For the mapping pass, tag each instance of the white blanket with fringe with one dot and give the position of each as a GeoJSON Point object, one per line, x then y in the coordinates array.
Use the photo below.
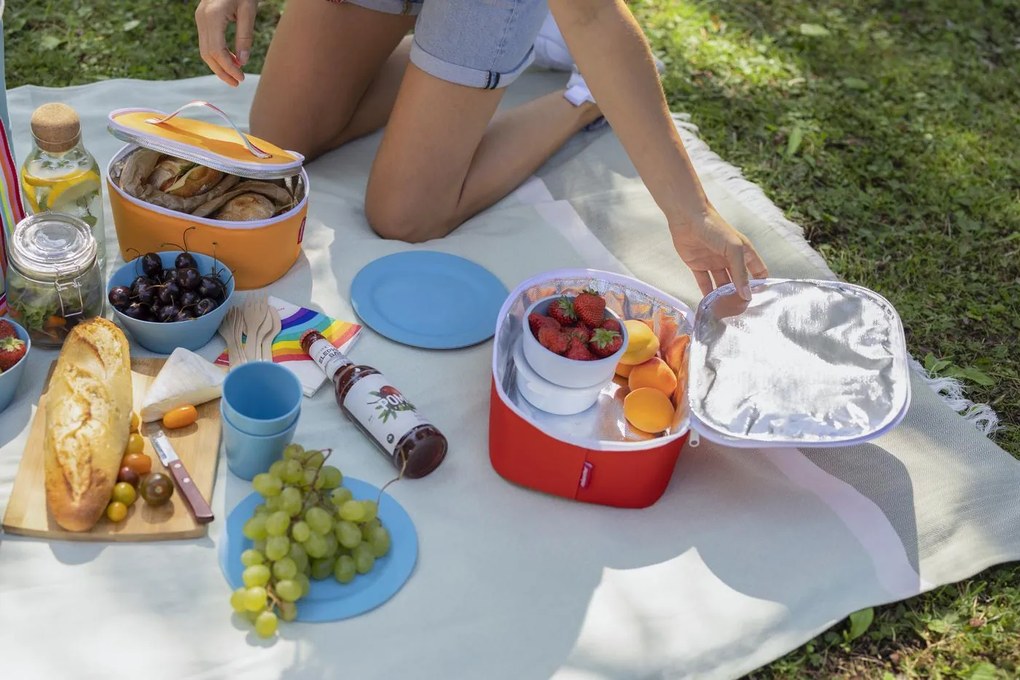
{"type": "Point", "coordinates": [747, 555]}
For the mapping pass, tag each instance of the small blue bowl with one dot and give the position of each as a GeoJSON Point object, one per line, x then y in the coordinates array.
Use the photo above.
{"type": "Point", "coordinates": [164, 338]}
{"type": "Point", "coordinates": [11, 378]}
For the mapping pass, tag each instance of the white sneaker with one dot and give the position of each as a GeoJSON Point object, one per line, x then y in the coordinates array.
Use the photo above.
{"type": "Point", "coordinates": [577, 92]}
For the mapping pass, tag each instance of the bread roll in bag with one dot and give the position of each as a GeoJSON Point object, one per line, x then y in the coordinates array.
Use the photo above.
{"type": "Point", "coordinates": [88, 420]}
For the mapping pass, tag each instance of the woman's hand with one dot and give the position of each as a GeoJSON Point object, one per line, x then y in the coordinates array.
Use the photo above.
{"type": "Point", "coordinates": [212, 18]}
{"type": "Point", "coordinates": [717, 253]}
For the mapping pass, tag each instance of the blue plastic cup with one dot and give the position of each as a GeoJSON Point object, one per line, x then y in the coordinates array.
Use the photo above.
{"type": "Point", "coordinates": [250, 454]}
{"type": "Point", "coordinates": [261, 398]}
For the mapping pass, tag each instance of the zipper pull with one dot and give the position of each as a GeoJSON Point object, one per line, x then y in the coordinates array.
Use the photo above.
{"type": "Point", "coordinates": [693, 439]}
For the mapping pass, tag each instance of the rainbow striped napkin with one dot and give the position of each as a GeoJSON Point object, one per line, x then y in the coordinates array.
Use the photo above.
{"type": "Point", "coordinates": [287, 345]}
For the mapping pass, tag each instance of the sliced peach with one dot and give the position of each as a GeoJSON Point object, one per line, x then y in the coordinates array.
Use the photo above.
{"type": "Point", "coordinates": [642, 344]}
{"type": "Point", "coordinates": [648, 410]}
{"type": "Point", "coordinates": [654, 373]}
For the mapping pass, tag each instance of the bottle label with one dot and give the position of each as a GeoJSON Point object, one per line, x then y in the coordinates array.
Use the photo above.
{"type": "Point", "coordinates": [328, 357]}
{"type": "Point", "coordinates": [382, 410]}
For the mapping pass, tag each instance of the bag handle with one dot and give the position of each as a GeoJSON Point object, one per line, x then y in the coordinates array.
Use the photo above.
{"type": "Point", "coordinates": [254, 150]}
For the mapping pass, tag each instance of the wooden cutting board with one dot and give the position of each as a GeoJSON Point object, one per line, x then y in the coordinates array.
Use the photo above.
{"type": "Point", "coordinates": [197, 445]}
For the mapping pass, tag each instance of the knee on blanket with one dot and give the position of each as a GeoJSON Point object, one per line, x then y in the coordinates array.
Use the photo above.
{"type": "Point", "coordinates": [399, 220]}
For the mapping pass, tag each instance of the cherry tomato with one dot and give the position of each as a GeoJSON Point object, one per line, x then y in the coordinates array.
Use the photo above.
{"type": "Point", "coordinates": [135, 422]}
{"type": "Point", "coordinates": [181, 416]}
{"type": "Point", "coordinates": [116, 511]}
{"type": "Point", "coordinates": [124, 493]}
{"type": "Point", "coordinates": [156, 488]}
{"type": "Point", "coordinates": [128, 475]}
{"type": "Point", "coordinates": [139, 462]}
{"type": "Point", "coordinates": [135, 443]}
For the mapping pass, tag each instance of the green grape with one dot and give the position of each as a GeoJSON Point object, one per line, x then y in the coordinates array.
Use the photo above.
{"type": "Point", "coordinates": [284, 568]}
{"type": "Point", "coordinates": [288, 590]}
{"type": "Point", "coordinates": [344, 571]}
{"type": "Point", "coordinates": [293, 473]}
{"type": "Point", "coordinates": [259, 545]}
{"type": "Point", "coordinates": [276, 469]}
{"type": "Point", "coordinates": [319, 520]}
{"type": "Point", "coordinates": [364, 560]}
{"type": "Point", "coordinates": [255, 528]}
{"type": "Point", "coordinates": [260, 509]}
{"type": "Point", "coordinates": [265, 624]}
{"type": "Point", "coordinates": [277, 547]}
{"type": "Point", "coordinates": [322, 568]}
{"type": "Point", "coordinates": [316, 546]}
{"type": "Point", "coordinates": [293, 451]}
{"type": "Point", "coordinates": [371, 510]}
{"type": "Point", "coordinates": [348, 534]}
{"type": "Point", "coordinates": [379, 540]}
{"type": "Point", "coordinates": [314, 459]}
{"type": "Point", "coordinates": [255, 575]}
{"type": "Point", "coordinates": [352, 511]}
{"type": "Point", "coordinates": [237, 600]}
{"type": "Point", "coordinates": [305, 583]}
{"type": "Point", "coordinates": [255, 599]}
{"type": "Point", "coordinates": [277, 523]}
{"type": "Point", "coordinates": [298, 555]}
{"type": "Point", "coordinates": [274, 504]}
{"type": "Point", "coordinates": [300, 531]}
{"type": "Point", "coordinates": [288, 610]}
{"type": "Point", "coordinates": [267, 484]}
{"type": "Point", "coordinates": [250, 557]}
{"type": "Point", "coordinates": [366, 528]}
{"type": "Point", "coordinates": [309, 476]}
{"type": "Point", "coordinates": [331, 477]}
{"type": "Point", "coordinates": [292, 500]}
{"type": "Point", "coordinates": [340, 496]}
{"type": "Point", "coordinates": [332, 545]}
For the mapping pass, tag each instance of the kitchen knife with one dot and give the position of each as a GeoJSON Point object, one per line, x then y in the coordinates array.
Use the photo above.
{"type": "Point", "coordinates": [199, 508]}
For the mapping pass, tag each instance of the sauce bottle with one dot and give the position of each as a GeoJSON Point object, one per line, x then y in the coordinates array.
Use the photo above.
{"type": "Point", "coordinates": [379, 410]}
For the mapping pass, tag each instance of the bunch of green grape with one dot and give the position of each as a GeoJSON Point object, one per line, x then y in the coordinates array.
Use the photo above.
{"type": "Point", "coordinates": [308, 527]}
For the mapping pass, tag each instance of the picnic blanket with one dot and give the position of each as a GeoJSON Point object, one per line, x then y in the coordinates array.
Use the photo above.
{"type": "Point", "coordinates": [748, 554]}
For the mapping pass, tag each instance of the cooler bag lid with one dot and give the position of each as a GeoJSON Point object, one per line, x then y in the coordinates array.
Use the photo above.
{"type": "Point", "coordinates": [223, 147]}
{"type": "Point", "coordinates": [805, 363]}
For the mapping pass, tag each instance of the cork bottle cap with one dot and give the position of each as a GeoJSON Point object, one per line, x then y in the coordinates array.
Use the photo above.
{"type": "Point", "coordinates": [56, 127]}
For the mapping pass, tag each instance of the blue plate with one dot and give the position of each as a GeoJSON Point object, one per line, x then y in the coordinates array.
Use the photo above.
{"type": "Point", "coordinates": [428, 299]}
{"type": "Point", "coordinates": [330, 600]}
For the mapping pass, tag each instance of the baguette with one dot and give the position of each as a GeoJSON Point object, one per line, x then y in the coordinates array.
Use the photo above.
{"type": "Point", "coordinates": [88, 419]}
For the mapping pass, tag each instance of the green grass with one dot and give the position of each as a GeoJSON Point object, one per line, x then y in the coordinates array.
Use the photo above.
{"type": "Point", "coordinates": [888, 129]}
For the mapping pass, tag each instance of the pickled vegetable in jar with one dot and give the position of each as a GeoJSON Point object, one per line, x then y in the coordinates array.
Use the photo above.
{"type": "Point", "coordinates": [53, 278]}
{"type": "Point", "coordinates": [60, 175]}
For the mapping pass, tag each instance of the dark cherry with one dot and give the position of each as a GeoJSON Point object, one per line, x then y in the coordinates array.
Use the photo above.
{"type": "Point", "coordinates": [170, 293]}
{"type": "Point", "coordinates": [188, 278]}
{"type": "Point", "coordinates": [169, 275]}
{"type": "Point", "coordinates": [189, 298]}
{"type": "Point", "coordinates": [185, 261]}
{"type": "Point", "coordinates": [120, 296]}
{"type": "Point", "coordinates": [183, 315]}
{"type": "Point", "coordinates": [152, 265]}
{"type": "Point", "coordinates": [139, 281]}
{"type": "Point", "coordinates": [211, 287]}
{"type": "Point", "coordinates": [204, 306]}
{"type": "Point", "coordinates": [166, 312]}
{"type": "Point", "coordinates": [137, 310]}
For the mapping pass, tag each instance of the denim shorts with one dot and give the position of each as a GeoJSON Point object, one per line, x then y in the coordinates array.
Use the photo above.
{"type": "Point", "coordinates": [477, 43]}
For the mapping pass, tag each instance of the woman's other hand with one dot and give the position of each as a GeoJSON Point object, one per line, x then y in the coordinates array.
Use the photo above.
{"type": "Point", "coordinates": [717, 253]}
{"type": "Point", "coordinates": [212, 18]}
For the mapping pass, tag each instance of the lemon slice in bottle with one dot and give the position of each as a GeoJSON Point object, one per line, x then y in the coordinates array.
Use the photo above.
{"type": "Point", "coordinates": [68, 193]}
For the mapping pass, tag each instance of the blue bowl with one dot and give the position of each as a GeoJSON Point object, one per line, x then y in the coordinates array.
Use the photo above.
{"type": "Point", "coordinates": [164, 338]}
{"type": "Point", "coordinates": [11, 378]}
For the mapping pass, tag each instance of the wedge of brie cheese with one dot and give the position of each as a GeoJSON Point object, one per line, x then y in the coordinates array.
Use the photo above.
{"type": "Point", "coordinates": [185, 378]}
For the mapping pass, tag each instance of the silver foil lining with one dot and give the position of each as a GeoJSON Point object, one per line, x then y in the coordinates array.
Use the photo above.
{"type": "Point", "coordinates": [604, 422]}
{"type": "Point", "coordinates": [805, 362]}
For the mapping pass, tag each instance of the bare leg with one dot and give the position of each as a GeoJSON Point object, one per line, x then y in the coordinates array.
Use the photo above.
{"type": "Point", "coordinates": [443, 158]}
{"type": "Point", "coordinates": [331, 75]}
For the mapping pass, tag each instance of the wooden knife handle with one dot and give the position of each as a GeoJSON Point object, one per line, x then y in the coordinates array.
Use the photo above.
{"type": "Point", "coordinates": [199, 508]}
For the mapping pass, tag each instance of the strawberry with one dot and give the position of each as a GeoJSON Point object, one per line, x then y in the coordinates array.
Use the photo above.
{"type": "Point", "coordinates": [580, 333]}
{"type": "Point", "coordinates": [562, 310]}
{"type": "Point", "coordinates": [590, 308]}
{"type": "Point", "coordinates": [604, 343]}
{"type": "Point", "coordinates": [537, 321]}
{"type": "Point", "coordinates": [553, 339]}
{"type": "Point", "coordinates": [579, 351]}
{"type": "Point", "coordinates": [612, 325]}
{"type": "Point", "coordinates": [7, 329]}
{"type": "Point", "coordinates": [11, 351]}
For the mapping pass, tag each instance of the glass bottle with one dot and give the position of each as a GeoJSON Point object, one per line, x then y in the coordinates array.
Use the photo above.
{"type": "Point", "coordinates": [60, 175]}
{"type": "Point", "coordinates": [379, 410]}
